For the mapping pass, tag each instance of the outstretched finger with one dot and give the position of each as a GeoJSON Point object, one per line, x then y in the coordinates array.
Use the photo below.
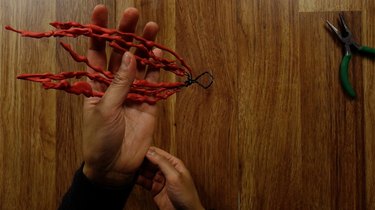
{"type": "Point", "coordinates": [127, 24]}
{"type": "Point", "coordinates": [149, 33]}
{"type": "Point", "coordinates": [96, 53]}
{"type": "Point", "coordinates": [100, 18]}
{"type": "Point", "coordinates": [152, 74]}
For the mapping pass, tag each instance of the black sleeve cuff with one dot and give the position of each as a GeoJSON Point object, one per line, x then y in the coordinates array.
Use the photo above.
{"type": "Point", "coordinates": [84, 194]}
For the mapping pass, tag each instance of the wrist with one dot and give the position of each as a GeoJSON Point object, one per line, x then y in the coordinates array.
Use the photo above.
{"type": "Point", "coordinates": [107, 178]}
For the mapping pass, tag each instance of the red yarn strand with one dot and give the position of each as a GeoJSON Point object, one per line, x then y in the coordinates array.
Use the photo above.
{"type": "Point", "coordinates": [141, 91]}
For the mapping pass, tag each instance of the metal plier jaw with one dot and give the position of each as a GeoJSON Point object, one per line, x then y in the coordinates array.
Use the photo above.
{"type": "Point", "coordinates": [346, 38]}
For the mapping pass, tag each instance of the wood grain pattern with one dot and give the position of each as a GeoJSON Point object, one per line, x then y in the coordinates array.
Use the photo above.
{"type": "Point", "coordinates": [206, 120]}
{"type": "Point", "coordinates": [332, 5]}
{"type": "Point", "coordinates": [332, 152]}
{"type": "Point", "coordinates": [368, 38]}
{"type": "Point", "coordinates": [275, 131]}
{"type": "Point", "coordinates": [269, 105]}
{"type": "Point", "coordinates": [28, 131]}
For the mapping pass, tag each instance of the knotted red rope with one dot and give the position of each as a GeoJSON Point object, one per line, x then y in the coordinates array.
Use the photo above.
{"type": "Point", "coordinates": [140, 90]}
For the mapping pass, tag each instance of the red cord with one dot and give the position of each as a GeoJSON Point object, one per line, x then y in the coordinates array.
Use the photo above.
{"type": "Point", "coordinates": [140, 91]}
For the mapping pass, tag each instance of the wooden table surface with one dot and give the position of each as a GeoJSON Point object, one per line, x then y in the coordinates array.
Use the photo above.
{"type": "Point", "coordinates": [275, 131]}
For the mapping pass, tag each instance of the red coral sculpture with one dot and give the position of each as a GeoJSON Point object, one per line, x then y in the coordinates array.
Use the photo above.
{"type": "Point", "coordinates": [140, 91]}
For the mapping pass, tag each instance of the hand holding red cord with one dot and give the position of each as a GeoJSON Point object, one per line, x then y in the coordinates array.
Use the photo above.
{"type": "Point", "coordinates": [116, 134]}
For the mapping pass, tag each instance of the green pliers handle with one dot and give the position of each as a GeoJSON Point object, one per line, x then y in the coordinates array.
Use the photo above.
{"type": "Point", "coordinates": [367, 50]}
{"type": "Point", "coordinates": [344, 70]}
{"type": "Point", "coordinates": [344, 75]}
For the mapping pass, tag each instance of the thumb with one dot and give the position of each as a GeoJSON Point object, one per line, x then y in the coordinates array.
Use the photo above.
{"type": "Point", "coordinates": [116, 93]}
{"type": "Point", "coordinates": [164, 165]}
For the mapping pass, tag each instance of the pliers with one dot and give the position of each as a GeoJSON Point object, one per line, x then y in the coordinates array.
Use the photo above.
{"type": "Point", "coordinates": [347, 39]}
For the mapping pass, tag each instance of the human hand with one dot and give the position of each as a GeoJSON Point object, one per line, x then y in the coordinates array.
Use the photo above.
{"type": "Point", "coordinates": [170, 183]}
{"type": "Point", "coordinates": [117, 135]}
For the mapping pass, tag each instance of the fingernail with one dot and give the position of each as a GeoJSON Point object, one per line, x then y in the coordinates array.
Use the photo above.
{"type": "Point", "coordinates": [150, 152]}
{"type": "Point", "coordinates": [127, 59]}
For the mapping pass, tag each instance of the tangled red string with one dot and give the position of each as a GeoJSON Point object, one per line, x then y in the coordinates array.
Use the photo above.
{"type": "Point", "coordinates": [140, 90]}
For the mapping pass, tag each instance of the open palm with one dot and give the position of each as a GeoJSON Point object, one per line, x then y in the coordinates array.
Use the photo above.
{"type": "Point", "coordinates": [116, 134]}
